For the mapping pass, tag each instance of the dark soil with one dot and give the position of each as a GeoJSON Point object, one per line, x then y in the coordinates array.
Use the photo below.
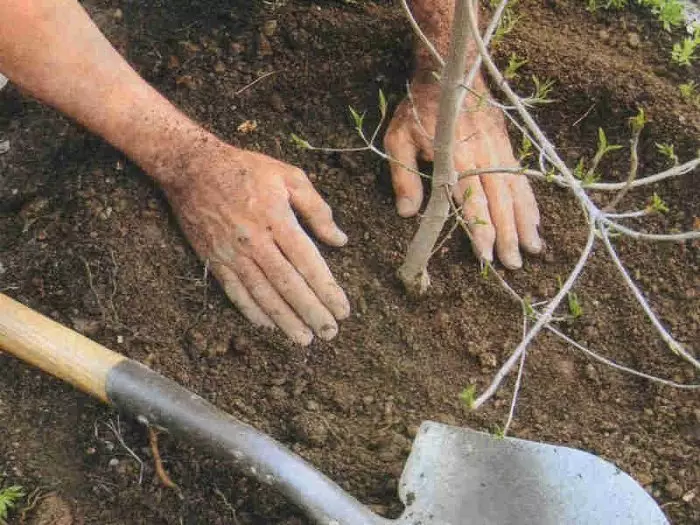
{"type": "Point", "coordinates": [72, 209]}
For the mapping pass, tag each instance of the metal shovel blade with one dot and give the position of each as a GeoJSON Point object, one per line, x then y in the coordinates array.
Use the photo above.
{"type": "Point", "coordinates": [457, 476]}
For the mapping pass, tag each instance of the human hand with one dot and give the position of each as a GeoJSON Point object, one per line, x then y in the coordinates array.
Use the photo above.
{"type": "Point", "coordinates": [235, 208]}
{"type": "Point", "coordinates": [500, 207]}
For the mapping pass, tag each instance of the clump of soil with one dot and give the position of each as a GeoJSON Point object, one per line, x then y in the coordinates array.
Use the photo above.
{"type": "Point", "coordinates": [87, 239]}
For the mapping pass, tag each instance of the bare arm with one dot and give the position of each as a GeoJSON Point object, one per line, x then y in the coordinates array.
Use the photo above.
{"type": "Point", "coordinates": [500, 208]}
{"type": "Point", "coordinates": [55, 52]}
{"type": "Point", "coordinates": [234, 206]}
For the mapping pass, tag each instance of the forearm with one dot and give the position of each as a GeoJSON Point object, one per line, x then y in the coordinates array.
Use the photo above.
{"type": "Point", "coordinates": [55, 52]}
{"type": "Point", "coordinates": [434, 17]}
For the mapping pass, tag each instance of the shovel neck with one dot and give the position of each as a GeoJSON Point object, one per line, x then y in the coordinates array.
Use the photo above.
{"type": "Point", "coordinates": [160, 402]}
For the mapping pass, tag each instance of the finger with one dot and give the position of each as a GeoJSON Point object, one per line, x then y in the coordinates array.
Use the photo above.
{"type": "Point", "coordinates": [240, 297]}
{"type": "Point", "coordinates": [404, 171]}
{"type": "Point", "coordinates": [293, 289]}
{"type": "Point", "coordinates": [262, 291]}
{"type": "Point", "coordinates": [305, 257]}
{"type": "Point", "coordinates": [527, 214]}
{"type": "Point", "coordinates": [500, 200]}
{"type": "Point", "coordinates": [313, 209]}
{"type": "Point", "coordinates": [469, 193]}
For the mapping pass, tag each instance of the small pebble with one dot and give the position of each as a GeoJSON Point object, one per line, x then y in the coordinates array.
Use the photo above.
{"type": "Point", "coordinates": [633, 40]}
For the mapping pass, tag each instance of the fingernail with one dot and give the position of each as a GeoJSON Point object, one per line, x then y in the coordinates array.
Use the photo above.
{"type": "Point", "coordinates": [303, 338]}
{"type": "Point", "coordinates": [406, 207]}
{"type": "Point", "coordinates": [328, 332]}
{"type": "Point", "coordinates": [512, 261]}
{"type": "Point", "coordinates": [339, 237]}
{"type": "Point", "coordinates": [534, 245]}
{"type": "Point", "coordinates": [342, 310]}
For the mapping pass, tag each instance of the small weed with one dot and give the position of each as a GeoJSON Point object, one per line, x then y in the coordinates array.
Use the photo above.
{"type": "Point", "coordinates": [499, 432]}
{"type": "Point", "coordinates": [514, 64]}
{"type": "Point", "coordinates": [575, 308]}
{"type": "Point", "coordinates": [468, 396]}
{"type": "Point", "coordinates": [683, 52]}
{"type": "Point", "coordinates": [689, 92]}
{"type": "Point", "coordinates": [542, 91]}
{"type": "Point", "coordinates": [9, 496]}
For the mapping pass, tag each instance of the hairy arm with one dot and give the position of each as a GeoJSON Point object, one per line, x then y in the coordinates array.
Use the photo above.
{"type": "Point", "coordinates": [234, 206]}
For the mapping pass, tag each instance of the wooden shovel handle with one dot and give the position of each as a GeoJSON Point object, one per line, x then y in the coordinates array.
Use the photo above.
{"type": "Point", "coordinates": [55, 349]}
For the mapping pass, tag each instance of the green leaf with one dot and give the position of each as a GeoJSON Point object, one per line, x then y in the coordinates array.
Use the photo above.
{"type": "Point", "coordinates": [638, 121]}
{"type": "Point", "coordinates": [602, 139]}
{"type": "Point", "coordinates": [357, 118]}
{"type": "Point", "coordinates": [382, 103]}
{"type": "Point", "coordinates": [299, 142]}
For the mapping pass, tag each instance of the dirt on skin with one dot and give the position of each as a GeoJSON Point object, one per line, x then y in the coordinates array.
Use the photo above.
{"type": "Point", "coordinates": [87, 239]}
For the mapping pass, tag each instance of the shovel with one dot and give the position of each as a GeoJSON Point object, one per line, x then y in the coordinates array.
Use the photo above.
{"type": "Point", "coordinates": [453, 476]}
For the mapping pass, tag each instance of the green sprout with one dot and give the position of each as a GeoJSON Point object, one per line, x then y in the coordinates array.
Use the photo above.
{"type": "Point", "coordinates": [357, 118]}
{"type": "Point", "coordinates": [575, 308]}
{"type": "Point", "coordinates": [667, 151]}
{"type": "Point", "coordinates": [299, 142]}
{"type": "Point", "coordinates": [603, 146]}
{"type": "Point", "coordinates": [525, 151]}
{"type": "Point", "coordinates": [587, 177]}
{"type": "Point", "coordinates": [468, 396]}
{"type": "Point", "coordinates": [514, 64]}
{"type": "Point", "coordinates": [638, 122]}
{"type": "Point", "coordinates": [382, 104]}
{"type": "Point", "coordinates": [656, 204]}
{"type": "Point", "coordinates": [9, 496]}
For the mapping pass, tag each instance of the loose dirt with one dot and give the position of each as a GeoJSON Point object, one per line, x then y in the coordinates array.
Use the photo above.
{"type": "Point", "coordinates": [87, 239]}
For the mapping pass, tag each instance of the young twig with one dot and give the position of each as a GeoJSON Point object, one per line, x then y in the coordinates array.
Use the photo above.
{"type": "Point", "coordinates": [413, 271]}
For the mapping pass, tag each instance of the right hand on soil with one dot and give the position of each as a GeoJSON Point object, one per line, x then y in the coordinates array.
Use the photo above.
{"type": "Point", "coordinates": [235, 207]}
{"type": "Point", "coordinates": [499, 207]}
